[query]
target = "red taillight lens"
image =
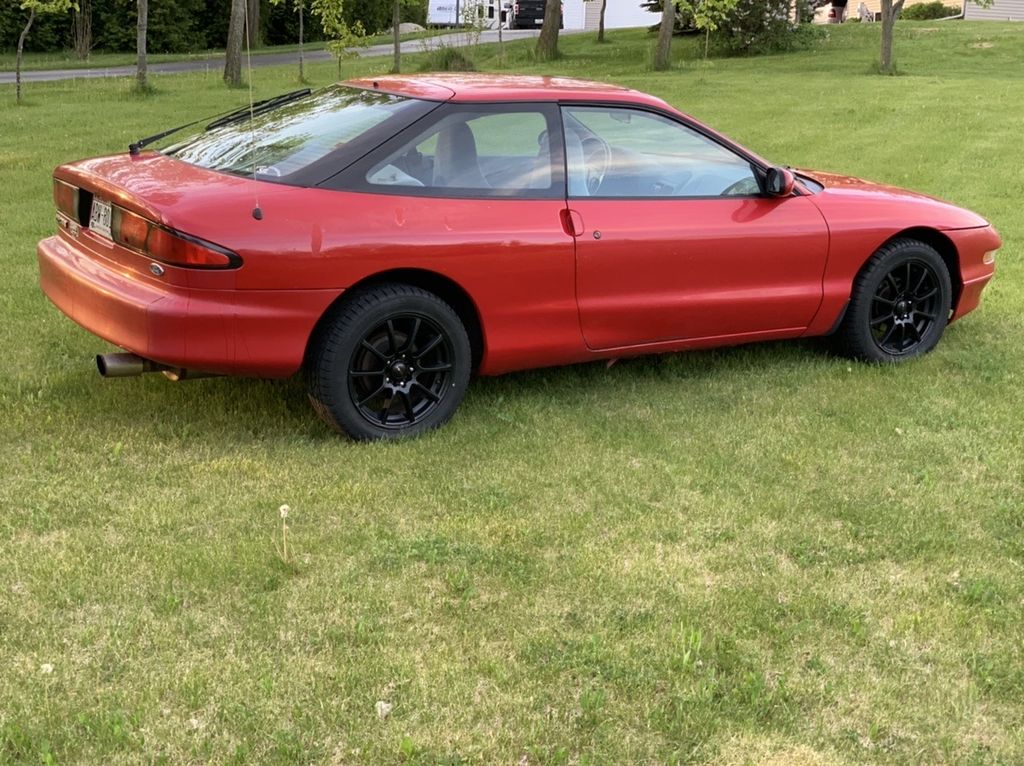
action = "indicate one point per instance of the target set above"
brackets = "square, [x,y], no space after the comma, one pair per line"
[160,244]
[182,250]
[65,197]
[129,229]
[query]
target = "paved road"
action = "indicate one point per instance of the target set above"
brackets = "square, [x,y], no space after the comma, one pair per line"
[455,40]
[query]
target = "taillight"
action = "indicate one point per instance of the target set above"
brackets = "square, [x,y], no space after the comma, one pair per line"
[65,197]
[168,246]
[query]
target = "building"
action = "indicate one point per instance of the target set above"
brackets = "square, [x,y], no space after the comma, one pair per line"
[619,14]
[1000,10]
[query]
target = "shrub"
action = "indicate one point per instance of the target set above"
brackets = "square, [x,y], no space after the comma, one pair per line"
[927,11]
[764,26]
[447,59]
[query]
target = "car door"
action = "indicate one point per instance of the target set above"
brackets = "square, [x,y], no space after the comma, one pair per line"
[675,241]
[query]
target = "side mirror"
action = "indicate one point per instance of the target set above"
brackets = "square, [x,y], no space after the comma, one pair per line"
[778,182]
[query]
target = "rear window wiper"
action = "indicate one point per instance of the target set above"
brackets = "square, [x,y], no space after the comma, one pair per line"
[234,115]
[257,108]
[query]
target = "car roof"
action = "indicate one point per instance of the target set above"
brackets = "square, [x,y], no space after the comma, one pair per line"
[463,87]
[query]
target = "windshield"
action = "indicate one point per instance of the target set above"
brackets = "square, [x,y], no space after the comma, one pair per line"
[280,141]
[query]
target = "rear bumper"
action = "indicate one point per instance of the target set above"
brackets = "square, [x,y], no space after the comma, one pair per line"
[231,332]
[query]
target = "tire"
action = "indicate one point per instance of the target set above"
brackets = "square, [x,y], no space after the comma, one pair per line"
[391,362]
[899,306]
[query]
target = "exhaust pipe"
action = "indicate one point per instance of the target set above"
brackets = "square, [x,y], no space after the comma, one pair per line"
[128,365]
[124,365]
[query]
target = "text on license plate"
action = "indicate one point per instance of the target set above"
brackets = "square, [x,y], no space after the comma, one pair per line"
[99,218]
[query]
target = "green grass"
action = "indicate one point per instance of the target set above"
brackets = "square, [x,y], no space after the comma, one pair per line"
[99,59]
[752,555]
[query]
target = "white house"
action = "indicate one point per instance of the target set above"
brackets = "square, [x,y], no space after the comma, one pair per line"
[584,14]
[1000,10]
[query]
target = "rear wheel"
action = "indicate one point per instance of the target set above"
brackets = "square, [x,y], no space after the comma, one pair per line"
[393,362]
[900,304]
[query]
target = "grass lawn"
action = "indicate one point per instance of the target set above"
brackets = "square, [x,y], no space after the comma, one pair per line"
[98,59]
[760,555]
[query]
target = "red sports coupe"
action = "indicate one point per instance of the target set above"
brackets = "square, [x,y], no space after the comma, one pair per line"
[390,237]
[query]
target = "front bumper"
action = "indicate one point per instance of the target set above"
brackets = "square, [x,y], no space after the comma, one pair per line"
[226,331]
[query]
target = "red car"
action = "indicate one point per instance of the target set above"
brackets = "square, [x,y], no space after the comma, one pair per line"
[390,237]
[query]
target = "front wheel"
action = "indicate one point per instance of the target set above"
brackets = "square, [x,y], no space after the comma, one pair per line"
[900,304]
[393,362]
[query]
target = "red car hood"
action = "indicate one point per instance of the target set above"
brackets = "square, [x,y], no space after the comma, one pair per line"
[847,190]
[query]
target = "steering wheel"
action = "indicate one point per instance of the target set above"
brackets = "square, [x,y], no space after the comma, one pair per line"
[742,188]
[597,157]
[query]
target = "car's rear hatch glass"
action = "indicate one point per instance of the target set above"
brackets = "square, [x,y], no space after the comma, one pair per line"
[279,143]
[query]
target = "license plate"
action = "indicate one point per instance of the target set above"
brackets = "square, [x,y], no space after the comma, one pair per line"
[99,218]
[538,21]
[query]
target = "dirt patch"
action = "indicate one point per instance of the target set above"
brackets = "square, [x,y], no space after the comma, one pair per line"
[981,45]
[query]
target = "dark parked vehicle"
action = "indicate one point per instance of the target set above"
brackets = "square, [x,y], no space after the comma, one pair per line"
[529,14]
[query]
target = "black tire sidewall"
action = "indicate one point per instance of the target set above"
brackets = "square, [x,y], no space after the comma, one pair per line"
[329,388]
[857,330]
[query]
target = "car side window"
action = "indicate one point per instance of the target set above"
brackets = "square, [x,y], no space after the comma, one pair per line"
[622,152]
[472,153]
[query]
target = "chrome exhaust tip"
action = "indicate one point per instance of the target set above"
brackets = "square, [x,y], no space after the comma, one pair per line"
[124,365]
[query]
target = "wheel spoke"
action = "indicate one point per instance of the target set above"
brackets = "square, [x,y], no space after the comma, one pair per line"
[363,401]
[879,320]
[407,403]
[921,281]
[428,348]
[411,340]
[917,333]
[888,334]
[383,416]
[392,344]
[892,281]
[365,373]
[926,315]
[439,368]
[427,392]
[886,301]
[373,350]
[927,295]
[906,283]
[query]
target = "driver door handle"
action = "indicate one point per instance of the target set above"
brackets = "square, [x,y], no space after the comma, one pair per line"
[572,222]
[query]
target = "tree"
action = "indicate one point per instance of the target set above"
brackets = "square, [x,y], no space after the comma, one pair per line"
[890,12]
[35,7]
[300,8]
[396,22]
[140,45]
[600,22]
[233,54]
[709,15]
[252,21]
[83,29]
[547,43]
[663,54]
[340,36]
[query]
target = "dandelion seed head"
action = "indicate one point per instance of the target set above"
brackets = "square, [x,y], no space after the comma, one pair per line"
[284,511]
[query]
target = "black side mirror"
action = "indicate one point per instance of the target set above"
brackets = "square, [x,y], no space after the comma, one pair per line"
[778,182]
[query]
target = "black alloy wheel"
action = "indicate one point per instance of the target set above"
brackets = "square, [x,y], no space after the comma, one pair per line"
[401,371]
[390,361]
[905,307]
[899,306]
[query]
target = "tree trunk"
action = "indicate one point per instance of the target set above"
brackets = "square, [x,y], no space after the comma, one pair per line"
[83,29]
[252,18]
[890,12]
[547,43]
[233,55]
[21,49]
[396,21]
[663,55]
[140,44]
[600,22]
[302,69]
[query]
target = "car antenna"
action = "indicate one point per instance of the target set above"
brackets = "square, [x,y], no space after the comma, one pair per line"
[257,212]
